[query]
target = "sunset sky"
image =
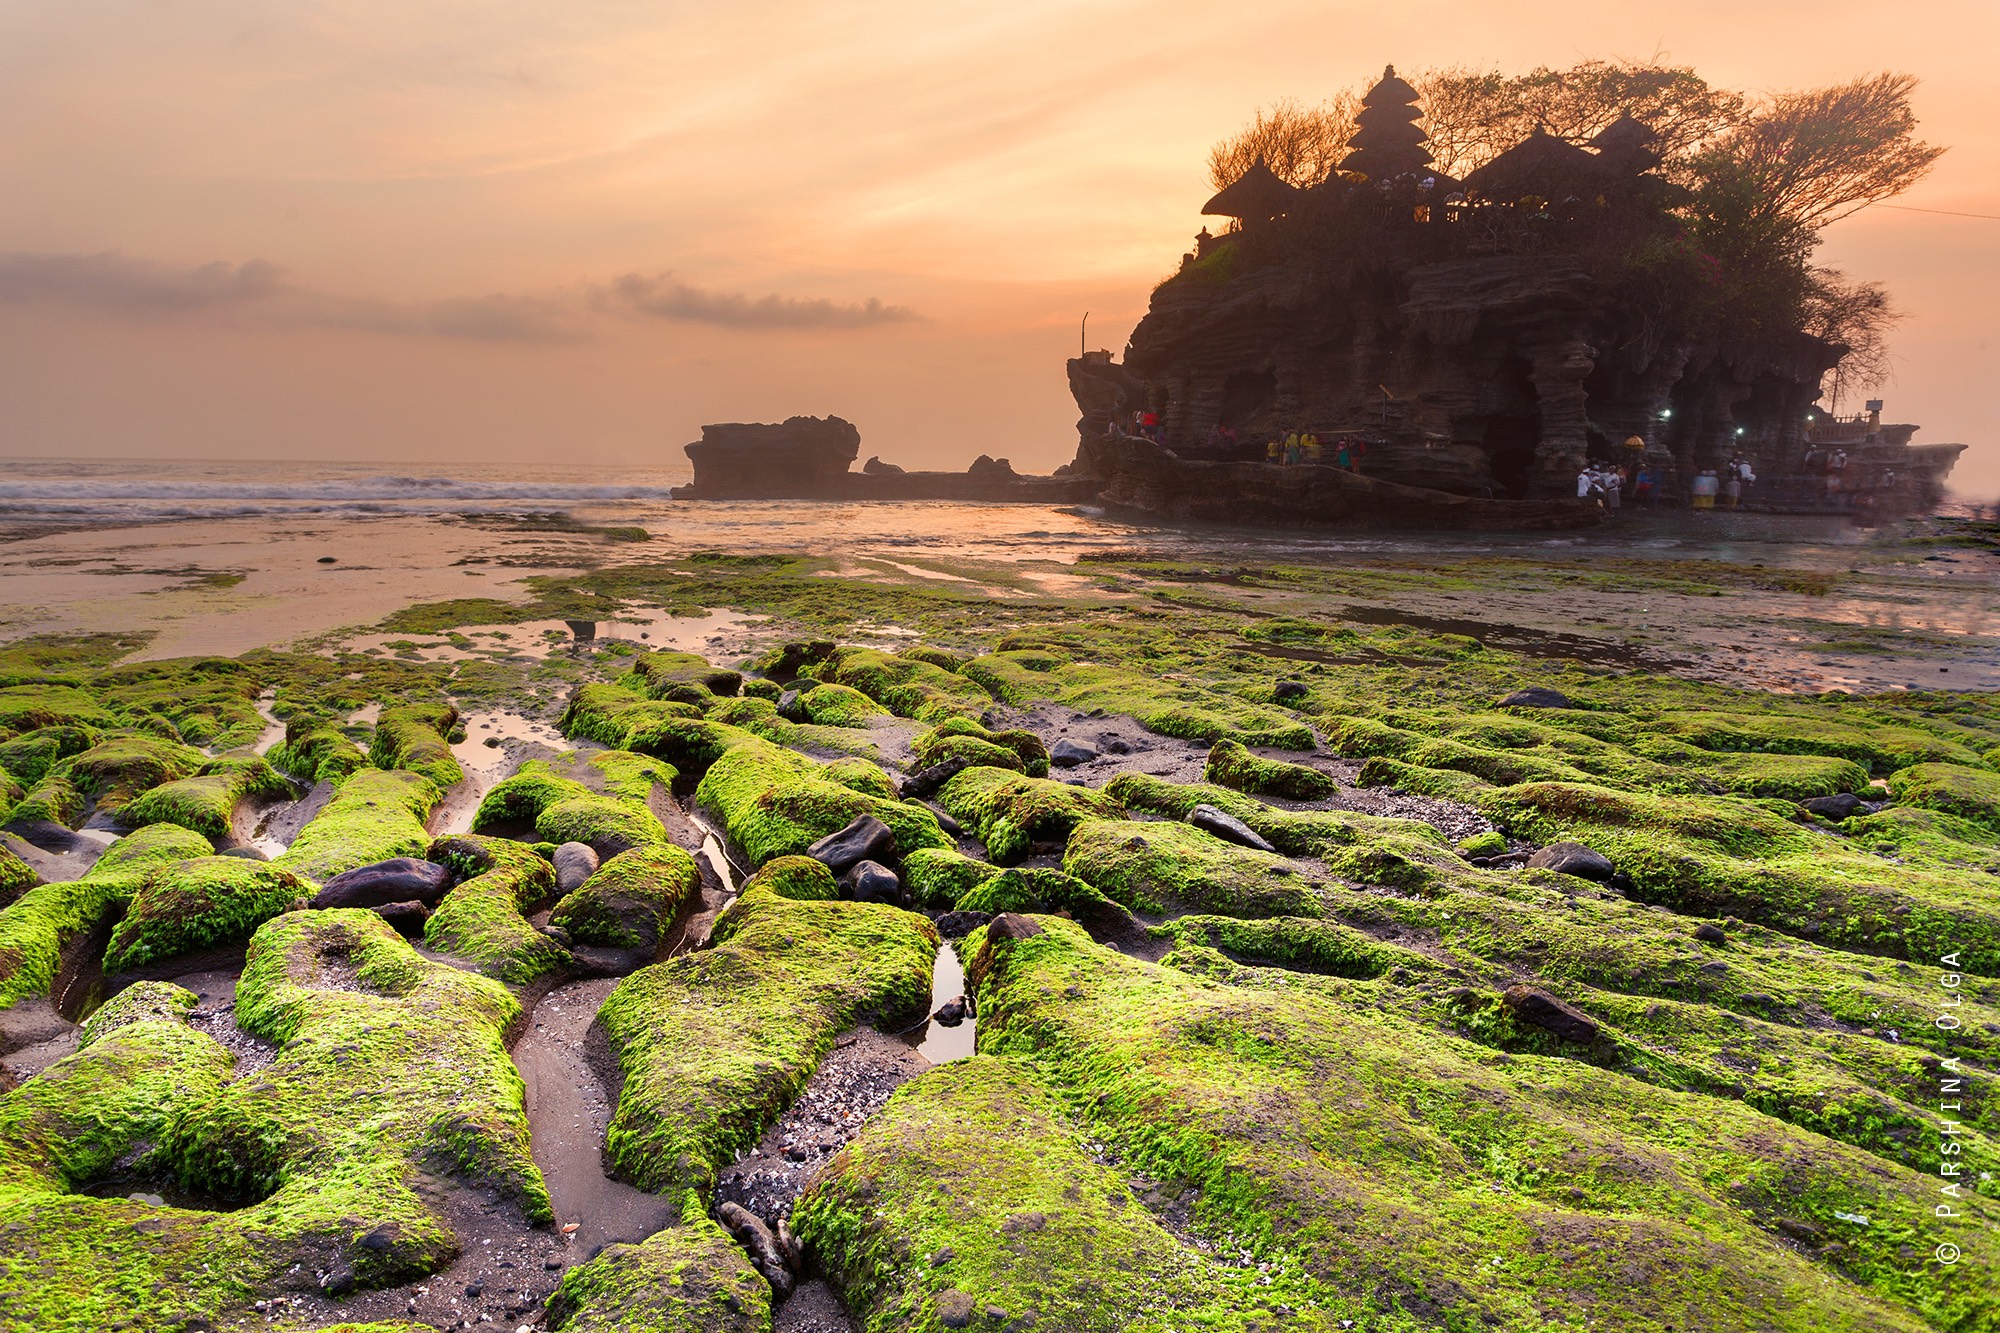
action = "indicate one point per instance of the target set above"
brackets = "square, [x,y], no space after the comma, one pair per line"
[444,230]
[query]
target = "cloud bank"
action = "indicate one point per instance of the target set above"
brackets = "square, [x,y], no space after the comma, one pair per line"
[665,296]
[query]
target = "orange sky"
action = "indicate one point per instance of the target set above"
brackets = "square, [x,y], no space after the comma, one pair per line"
[437,229]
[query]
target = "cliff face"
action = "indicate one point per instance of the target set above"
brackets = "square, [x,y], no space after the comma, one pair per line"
[1495,375]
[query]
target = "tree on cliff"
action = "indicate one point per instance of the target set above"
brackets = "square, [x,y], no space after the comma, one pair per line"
[1299,143]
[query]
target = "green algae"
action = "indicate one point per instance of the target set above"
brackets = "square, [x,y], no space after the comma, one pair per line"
[939,876]
[1039,889]
[964,739]
[29,756]
[204,903]
[657,674]
[16,876]
[207,801]
[1008,812]
[315,750]
[907,686]
[774,802]
[630,899]
[417,738]
[1162,867]
[970,1199]
[797,877]
[1231,765]
[1972,794]
[1403,1170]
[715,1044]
[33,707]
[833,705]
[482,920]
[687,1278]
[117,770]
[375,815]
[42,923]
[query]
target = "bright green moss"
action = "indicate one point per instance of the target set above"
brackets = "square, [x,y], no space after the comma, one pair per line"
[1972,794]
[1301,944]
[659,673]
[1488,843]
[207,802]
[53,800]
[1009,812]
[315,750]
[1175,868]
[32,707]
[1231,765]
[962,738]
[16,876]
[142,1001]
[1035,890]
[1323,833]
[760,718]
[799,878]
[714,1044]
[1792,777]
[908,686]
[1341,1143]
[117,770]
[628,776]
[1716,856]
[938,876]
[1365,738]
[416,738]
[831,705]
[691,1277]
[977,1161]
[775,803]
[208,902]
[481,918]
[36,928]
[563,809]
[1443,783]
[115,1097]
[375,815]
[756,688]
[1143,683]
[1020,675]
[862,775]
[629,901]
[29,757]
[1882,748]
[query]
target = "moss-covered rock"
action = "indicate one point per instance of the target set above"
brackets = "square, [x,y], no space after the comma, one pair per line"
[374,816]
[630,900]
[938,877]
[1882,748]
[1231,765]
[976,1162]
[205,903]
[907,686]
[1342,1145]
[481,918]
[207,801]
[832,705]
[715,1044]
[962,738]
[687,1278]
[140,1002]
[660,673]
[1972,794]
[16,876]
[1175,868]
[416,738]
[315,750]
[1035,890]
[799,878]
[1009,812]
[119,769]
[37,928]
[53,800]
[29,756]
[32,707]
[774,802]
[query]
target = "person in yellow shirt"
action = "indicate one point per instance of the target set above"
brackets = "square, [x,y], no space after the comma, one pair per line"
[1292,449]
[1312,447]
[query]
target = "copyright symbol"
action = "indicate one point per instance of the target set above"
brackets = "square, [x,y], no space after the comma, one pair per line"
[1947,1253]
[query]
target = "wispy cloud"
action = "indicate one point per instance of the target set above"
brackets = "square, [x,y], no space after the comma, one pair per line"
[114,281]
[665,296]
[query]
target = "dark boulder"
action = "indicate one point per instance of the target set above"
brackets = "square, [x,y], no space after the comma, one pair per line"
[924,781]
[243,853]
[403,879]
[789,706]
[1288,690]
[1227,827]
[575,862]
[869,882]
[957,925]
[408,917]
[1844,805]
[875,467]
[1537,696]
[866,839]
[1545,1011]
[1068,754]
[1012,926]
[951,1014]
[1573,858]
[1710,933]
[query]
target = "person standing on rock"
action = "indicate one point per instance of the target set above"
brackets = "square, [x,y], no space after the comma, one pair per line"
[1292,449]
[1584,484]
[1313,448]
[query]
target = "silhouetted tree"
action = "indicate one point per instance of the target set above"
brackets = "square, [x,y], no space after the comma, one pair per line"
[1857,316]
[1299,143]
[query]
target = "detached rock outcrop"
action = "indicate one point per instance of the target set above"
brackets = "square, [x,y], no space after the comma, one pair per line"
[812,458]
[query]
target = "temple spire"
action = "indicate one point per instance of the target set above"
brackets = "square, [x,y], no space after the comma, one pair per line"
[1387,141]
